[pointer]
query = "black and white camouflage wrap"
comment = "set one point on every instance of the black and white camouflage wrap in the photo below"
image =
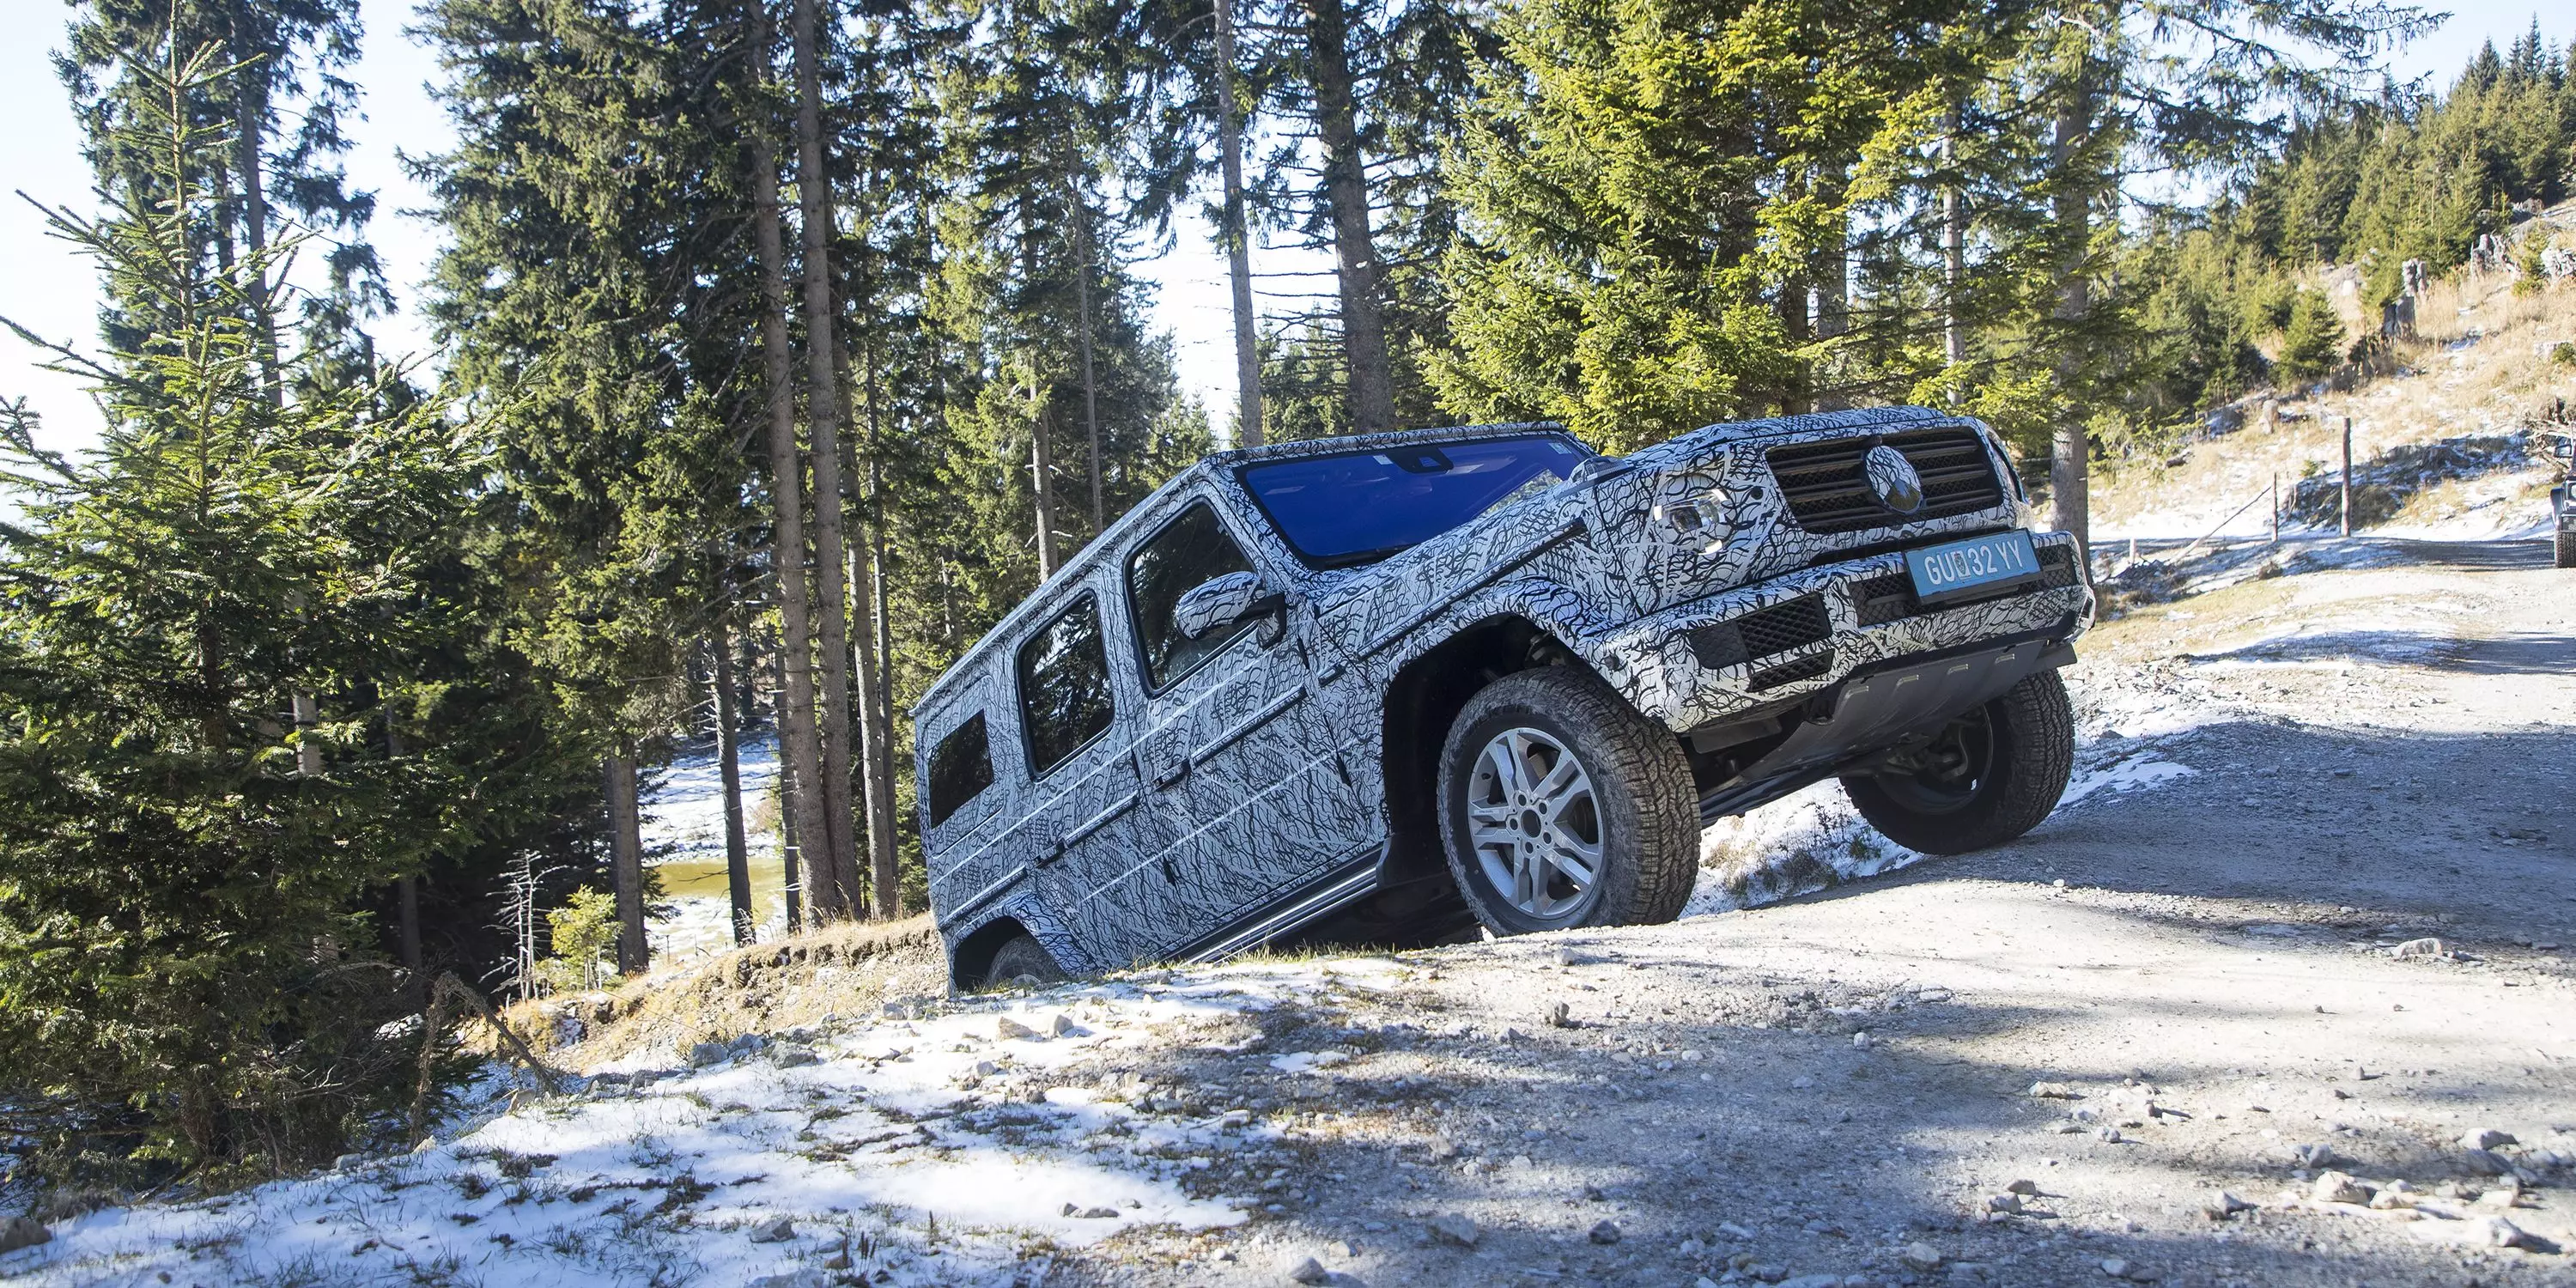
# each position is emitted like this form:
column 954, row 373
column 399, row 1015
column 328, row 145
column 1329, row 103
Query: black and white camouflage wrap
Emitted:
column 1250, row 796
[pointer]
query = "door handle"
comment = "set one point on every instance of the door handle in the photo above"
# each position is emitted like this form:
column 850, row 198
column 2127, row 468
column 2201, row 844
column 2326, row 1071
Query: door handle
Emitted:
column 1175, row 772
column 1049, row 852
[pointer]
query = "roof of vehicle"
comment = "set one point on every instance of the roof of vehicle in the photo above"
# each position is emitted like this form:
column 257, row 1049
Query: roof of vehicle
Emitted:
column 1116, row 532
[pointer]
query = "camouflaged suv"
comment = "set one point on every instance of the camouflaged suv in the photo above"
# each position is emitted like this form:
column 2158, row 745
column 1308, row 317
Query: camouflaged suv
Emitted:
column 1377, row 686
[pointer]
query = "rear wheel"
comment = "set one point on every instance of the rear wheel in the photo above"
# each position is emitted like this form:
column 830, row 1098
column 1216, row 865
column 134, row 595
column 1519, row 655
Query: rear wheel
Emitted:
column 1022, row 960
column 1987, row 777
column 2567, row 547
column 1560, row 806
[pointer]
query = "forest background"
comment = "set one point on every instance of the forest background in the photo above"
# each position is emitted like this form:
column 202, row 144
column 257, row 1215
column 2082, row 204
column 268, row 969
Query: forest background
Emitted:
column 320, row 672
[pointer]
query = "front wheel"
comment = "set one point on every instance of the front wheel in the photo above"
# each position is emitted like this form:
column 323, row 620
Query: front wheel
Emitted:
column 2567, row 547
column 1986, row 778
column 1560, row 806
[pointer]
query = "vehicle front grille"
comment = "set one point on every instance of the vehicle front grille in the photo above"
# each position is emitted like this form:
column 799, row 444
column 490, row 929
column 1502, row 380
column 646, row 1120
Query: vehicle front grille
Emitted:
column 1761, row 633
column 1880, row 600
column 2057, row 567
column 1805, row 668
column 1828, row 492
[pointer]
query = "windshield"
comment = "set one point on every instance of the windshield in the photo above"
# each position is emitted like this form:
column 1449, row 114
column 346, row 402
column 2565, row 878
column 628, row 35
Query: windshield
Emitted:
column 1357, row 507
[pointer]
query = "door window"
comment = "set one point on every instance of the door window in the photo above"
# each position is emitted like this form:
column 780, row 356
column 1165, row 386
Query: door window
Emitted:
column 1064, row 687
column 961, row 767
column 1186, row 552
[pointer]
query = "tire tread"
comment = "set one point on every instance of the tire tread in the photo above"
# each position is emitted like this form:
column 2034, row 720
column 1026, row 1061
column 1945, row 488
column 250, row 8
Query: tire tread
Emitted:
column 2039, row 722
column 1662, row 867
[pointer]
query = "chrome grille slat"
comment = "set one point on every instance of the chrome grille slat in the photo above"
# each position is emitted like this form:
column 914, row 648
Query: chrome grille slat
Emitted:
column 1827, row 492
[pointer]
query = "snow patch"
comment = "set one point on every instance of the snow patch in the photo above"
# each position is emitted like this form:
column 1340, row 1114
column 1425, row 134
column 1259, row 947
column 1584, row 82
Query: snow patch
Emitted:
column 925, row 1152
column 2133, row 773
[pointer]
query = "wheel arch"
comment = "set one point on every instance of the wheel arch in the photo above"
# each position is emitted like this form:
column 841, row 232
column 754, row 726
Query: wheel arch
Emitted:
column 1424, row 697
column 971, row 954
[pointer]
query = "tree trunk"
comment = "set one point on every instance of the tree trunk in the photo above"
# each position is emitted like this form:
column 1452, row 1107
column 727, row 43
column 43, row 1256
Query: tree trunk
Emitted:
column 1090, row 386
column 876, row 686
column 1042, row 473
column 626, row 860
column 406, row 889
column 1954, row 248
column 729, row 769
column 800, row 744
column 1346, row 197
column 823, row 408
column 2069, row 469
column 1833, row 292
column 250, row 122
column 1237, row 237
column 790, row 819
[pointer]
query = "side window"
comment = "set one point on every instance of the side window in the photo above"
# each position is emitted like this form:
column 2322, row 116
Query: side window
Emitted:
column 1064, row 686
column 961, row 767
column 1186, row 552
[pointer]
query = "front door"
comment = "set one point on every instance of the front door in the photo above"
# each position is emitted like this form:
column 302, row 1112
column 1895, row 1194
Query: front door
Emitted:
column 1254, row 808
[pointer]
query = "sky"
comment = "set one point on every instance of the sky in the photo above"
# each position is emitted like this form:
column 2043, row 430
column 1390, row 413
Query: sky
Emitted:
column 53, row 292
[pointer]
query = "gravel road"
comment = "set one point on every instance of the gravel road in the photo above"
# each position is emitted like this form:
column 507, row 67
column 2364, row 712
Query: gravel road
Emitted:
column 2288, row 984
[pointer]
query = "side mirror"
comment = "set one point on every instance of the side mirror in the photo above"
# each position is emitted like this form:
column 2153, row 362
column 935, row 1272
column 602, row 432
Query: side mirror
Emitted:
column 1220, row 602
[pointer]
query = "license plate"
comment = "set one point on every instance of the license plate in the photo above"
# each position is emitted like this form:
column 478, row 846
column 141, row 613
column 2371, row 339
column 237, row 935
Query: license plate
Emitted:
column 1978, row 565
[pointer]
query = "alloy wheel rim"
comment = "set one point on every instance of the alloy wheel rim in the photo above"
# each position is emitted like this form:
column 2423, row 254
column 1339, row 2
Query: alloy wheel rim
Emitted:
column 1535, row 823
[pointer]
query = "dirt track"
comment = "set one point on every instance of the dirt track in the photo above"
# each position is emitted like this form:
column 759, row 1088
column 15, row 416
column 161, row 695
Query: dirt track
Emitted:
column 2383, row 755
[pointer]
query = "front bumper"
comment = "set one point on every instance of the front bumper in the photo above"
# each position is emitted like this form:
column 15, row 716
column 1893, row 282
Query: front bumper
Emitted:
column 1702, row 662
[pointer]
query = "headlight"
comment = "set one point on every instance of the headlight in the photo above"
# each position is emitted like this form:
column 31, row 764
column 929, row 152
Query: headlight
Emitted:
column 1698, row 519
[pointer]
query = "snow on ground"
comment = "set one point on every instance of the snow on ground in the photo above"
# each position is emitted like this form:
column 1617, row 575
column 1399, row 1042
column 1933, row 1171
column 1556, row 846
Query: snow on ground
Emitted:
column 961, row 1147
column 683, row 825
column 684, row 816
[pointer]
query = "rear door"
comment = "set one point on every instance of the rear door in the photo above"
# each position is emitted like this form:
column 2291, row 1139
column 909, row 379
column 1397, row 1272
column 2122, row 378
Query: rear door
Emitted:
column 1078, row 717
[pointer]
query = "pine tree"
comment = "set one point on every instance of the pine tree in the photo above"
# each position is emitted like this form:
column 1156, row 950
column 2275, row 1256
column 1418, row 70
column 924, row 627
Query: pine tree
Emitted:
column 184, row 963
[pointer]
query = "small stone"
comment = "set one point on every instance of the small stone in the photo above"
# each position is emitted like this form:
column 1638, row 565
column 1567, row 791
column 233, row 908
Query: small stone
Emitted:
column 2115, row 1267
column 2051, row 1091
column 1690, row 1248
column 1560, row 1016
column 1733, row 1231
column 794, row 1279
column 1863, row 1040
column 1607, row 1232
column 2425, row 947
column 1008, row 1029
column 1061, row 1026
column 1097, row 1214
column 2004, row 1203
column 2486, row 1164
column 1564, row 957
column 2486, row 1138
column 1457, row 1231
column 777, row 1229
column 1309, row 1271
column 2336, row 1187
column 23, row 1232
column 794, row 1057
column 2110, row 1136
column 2027, row 1187
column 2224, row 1206
column 2395, row 1194
column 707, row 1053
column 1921, row 1256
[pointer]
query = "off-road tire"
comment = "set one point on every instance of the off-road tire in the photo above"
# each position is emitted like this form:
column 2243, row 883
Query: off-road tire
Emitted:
column 2032, row 738
column 1021, row 956
column 1647, row 810
column 2567, row 548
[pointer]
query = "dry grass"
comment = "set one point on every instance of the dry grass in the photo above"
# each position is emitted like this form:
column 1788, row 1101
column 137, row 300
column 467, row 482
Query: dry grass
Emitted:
column 2502, row 381
column 803, row 979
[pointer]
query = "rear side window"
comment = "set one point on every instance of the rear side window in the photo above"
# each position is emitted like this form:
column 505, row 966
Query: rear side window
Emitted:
column 1188, row 551
column 961, row 767
column 1064, row 686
